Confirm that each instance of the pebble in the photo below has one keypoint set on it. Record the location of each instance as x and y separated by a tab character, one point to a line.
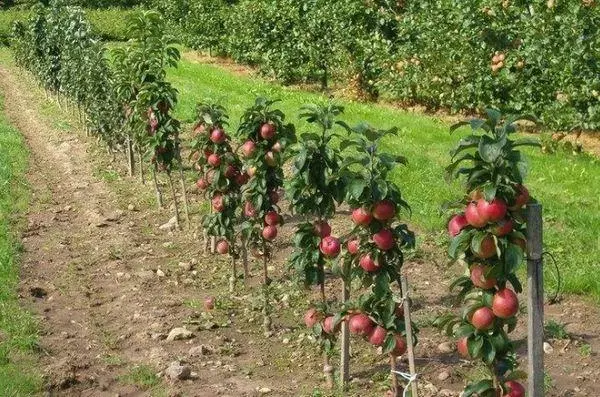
185	266
264	390
446	347
548	349
176	371
443	375
160	273
179	334
201	350
131	207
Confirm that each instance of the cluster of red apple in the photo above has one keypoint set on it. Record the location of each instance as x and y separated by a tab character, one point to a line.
384	212
358	324
329	246
219	158
271	218
494	218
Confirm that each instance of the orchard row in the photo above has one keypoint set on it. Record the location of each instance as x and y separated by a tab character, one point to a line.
241	173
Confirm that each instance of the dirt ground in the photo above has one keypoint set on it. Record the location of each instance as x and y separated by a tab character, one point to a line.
109	285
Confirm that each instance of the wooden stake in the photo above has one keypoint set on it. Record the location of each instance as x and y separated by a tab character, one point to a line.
409	334
267	323
535	301
233	278
141	158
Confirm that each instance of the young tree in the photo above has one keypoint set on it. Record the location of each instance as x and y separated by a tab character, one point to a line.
265	137
489	237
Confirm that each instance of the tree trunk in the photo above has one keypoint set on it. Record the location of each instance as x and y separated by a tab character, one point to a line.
186	208
328	371
245	259
176	205
233	278
395	386
345	342
159	200
141	159
267	323
130	159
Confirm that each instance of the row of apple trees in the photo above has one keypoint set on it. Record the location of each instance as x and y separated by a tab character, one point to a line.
121	97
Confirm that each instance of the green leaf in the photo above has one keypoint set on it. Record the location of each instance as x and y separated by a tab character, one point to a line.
356	188
478	387
489	149
474	345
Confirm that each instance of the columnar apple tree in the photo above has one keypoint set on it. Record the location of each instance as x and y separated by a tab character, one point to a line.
220	178
374	250
313	191
265	136
488	235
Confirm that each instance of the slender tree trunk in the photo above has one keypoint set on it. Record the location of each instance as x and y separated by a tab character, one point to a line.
213	244
174	201
159	200
245	259
395	386
233	278
130	160
267	322
141	159
345	342
328	371
186	208
206	241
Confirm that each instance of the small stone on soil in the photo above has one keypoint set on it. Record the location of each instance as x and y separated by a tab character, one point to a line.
443	375
201	350
179	334
176	371
446	347
548	349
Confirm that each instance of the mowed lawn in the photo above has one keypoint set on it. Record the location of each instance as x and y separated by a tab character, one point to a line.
567	185
18	330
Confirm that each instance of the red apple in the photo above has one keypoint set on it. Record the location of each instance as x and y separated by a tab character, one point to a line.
377	336
274	196
515	389
272	218
277	147
472	216
384	210
249	210
269	233
330	247
384	239
223	247
400	347
328	326
231	171
270	159
478	277
207	153
487	248
483	318
311	317
353	246
202	183
217	135
248	149
242	178
199	129
209	303
322	229
368	264
457	224
463	348
214	160
505	303
361	216
521	199
267	131
360	324
217	203
492	211
503	227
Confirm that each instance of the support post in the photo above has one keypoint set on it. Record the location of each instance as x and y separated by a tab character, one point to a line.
535	301
409	334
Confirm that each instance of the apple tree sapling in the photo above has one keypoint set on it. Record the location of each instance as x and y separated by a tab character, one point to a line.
313	193
264	136
489	237
376	246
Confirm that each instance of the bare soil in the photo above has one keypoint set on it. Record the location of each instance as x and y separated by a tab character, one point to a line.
108	286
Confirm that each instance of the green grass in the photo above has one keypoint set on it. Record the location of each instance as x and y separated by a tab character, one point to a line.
142	376
567	185
18	330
